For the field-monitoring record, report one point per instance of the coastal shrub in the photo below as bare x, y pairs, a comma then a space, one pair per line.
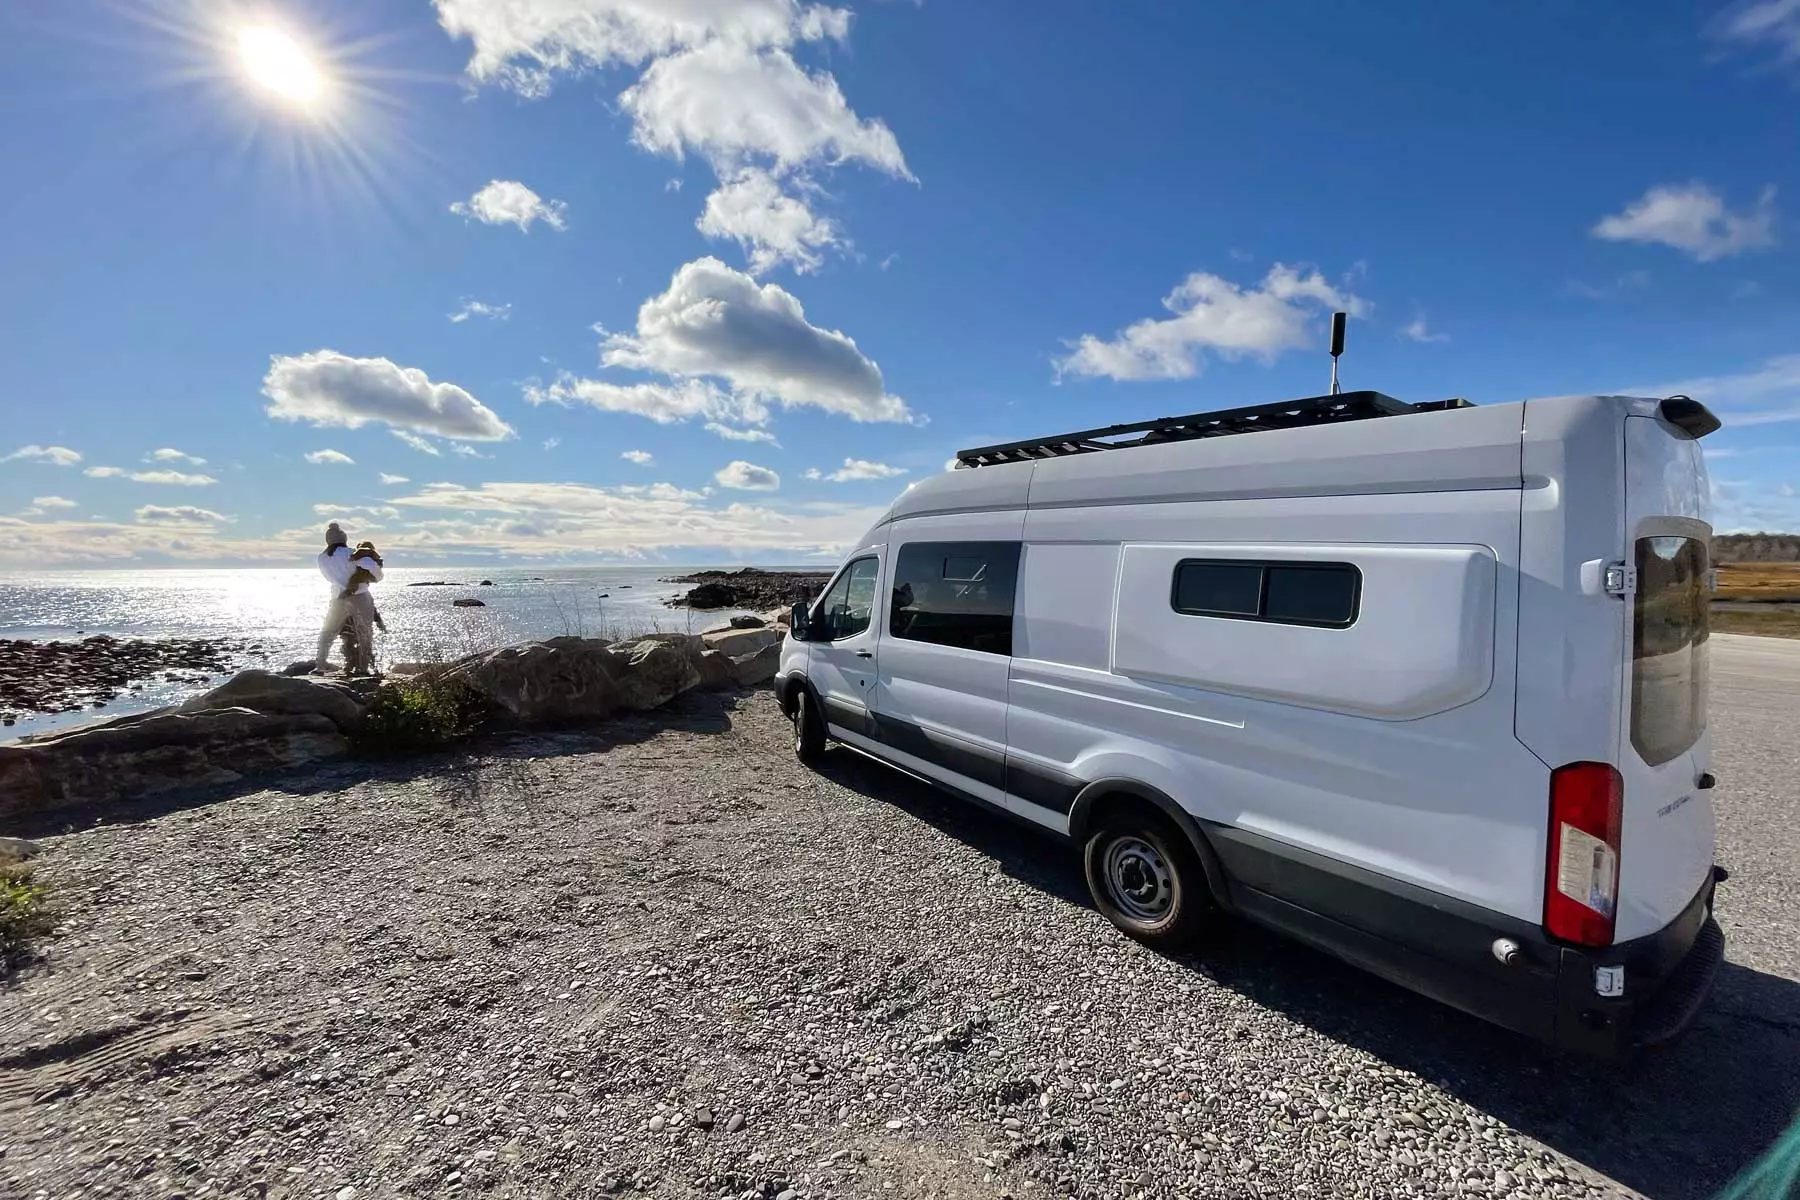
415, 715
25, 912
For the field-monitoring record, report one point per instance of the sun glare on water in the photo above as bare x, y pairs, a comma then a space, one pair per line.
281, 66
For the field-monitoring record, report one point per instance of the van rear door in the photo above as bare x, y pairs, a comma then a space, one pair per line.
1666, 834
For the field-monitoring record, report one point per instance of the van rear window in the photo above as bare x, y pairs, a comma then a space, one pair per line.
1668, 647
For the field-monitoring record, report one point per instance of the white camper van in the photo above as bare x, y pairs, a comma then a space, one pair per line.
1423, 685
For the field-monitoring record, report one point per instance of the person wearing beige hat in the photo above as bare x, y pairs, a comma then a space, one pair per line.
350, 599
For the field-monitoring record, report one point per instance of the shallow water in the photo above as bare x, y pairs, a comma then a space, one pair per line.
280, 610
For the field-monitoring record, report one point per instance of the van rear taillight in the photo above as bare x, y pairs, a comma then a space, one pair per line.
1581, 890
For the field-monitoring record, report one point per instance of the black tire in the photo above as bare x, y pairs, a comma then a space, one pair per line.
1145, 877
809, 730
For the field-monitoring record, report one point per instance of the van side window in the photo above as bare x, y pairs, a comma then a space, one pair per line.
850, 604
956, 594
1289, 593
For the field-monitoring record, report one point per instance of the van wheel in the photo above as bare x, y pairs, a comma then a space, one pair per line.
1147, 880
809, 730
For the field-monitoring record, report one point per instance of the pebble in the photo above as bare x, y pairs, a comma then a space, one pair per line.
452, 1119
735, 1123
658, 1123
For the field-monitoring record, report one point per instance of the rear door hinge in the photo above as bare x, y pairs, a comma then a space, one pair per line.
1619, 579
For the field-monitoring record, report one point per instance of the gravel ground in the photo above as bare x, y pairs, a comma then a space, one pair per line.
674, 963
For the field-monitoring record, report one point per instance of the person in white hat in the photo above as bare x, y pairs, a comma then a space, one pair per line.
350, 599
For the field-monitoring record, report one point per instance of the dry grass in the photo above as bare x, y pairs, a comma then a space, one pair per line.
1777, 622
1758, 581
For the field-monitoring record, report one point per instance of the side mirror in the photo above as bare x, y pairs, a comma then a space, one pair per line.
797, 622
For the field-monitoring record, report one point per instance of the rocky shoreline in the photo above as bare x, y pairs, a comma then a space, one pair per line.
748, 587
68, 676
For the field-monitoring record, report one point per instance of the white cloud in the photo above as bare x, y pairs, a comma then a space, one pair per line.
1765, 395
772, 226
732, 103
475, 308
551, 443
812, 473
664, 403
43, 505
1775, 23
509, 202
422, 445
522, 43
172, 478
858, 469
1213, 314
747, 477
56, 456
642, 458
1693, 218
1630, 281
719, 322
391, 480
467, 451
167, 454
329, 456
1418, 331
330, 389
742, 435
180, 514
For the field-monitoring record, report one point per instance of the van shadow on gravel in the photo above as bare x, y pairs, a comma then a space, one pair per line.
691, 712
1676, 1124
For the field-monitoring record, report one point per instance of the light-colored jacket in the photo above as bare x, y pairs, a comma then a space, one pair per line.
337, 568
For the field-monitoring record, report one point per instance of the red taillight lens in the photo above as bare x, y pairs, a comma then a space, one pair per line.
1581, 888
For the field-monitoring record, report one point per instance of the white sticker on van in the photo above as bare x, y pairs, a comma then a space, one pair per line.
1609, 981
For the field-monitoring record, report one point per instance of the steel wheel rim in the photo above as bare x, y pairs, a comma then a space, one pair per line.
1138, 879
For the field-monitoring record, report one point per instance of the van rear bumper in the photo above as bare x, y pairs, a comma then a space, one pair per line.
1446, 948
1667, 977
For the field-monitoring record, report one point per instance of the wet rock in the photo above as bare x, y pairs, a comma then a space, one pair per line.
469, 602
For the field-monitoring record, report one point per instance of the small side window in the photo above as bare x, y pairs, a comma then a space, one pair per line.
849, 604
1287, 593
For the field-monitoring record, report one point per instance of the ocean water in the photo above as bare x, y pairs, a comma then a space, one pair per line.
281, 610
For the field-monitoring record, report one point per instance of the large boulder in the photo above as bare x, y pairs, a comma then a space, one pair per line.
157, 751
747, 621
738, 642
266, 692
570, 680
760, 667
716, 671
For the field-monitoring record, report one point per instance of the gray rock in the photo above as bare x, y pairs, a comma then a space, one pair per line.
748, 621
716, 671
739, 642
658, 1123
735, 1123
468, 602
18, 848
266, 692
752, 669
158, 751
571, 680
303, 666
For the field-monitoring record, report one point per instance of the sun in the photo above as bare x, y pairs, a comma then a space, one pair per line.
278, 64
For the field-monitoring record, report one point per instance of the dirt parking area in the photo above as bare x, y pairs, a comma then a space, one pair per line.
672, 962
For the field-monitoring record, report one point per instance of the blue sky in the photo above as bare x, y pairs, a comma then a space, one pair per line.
706, 279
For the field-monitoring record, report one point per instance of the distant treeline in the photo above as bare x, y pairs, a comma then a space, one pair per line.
1756, 547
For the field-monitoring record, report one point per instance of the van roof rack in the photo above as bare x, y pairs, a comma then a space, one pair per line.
1291, 414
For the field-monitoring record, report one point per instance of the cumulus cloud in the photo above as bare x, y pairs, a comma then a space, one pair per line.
733, 103
179, 514
714, 321
468, 451
167, 454
742, 435
326, 388
509, 202
1694, 219
43, 505
1212, 314
171, 478
642, 458
857, 469
475, 308
390, 480
664, 403
772, 226
747, 477
56, 456
329, 456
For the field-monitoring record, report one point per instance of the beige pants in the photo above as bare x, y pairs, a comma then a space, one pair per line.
360, 611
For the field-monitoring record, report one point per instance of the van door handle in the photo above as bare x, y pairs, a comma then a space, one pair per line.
1706, 782
865, 654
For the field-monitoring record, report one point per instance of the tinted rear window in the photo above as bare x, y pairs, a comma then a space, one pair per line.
1290, 593
1668, 654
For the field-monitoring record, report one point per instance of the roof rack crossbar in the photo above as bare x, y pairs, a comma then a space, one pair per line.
1291, 414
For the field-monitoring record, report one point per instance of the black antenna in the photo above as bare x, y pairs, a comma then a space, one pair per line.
1338, 321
